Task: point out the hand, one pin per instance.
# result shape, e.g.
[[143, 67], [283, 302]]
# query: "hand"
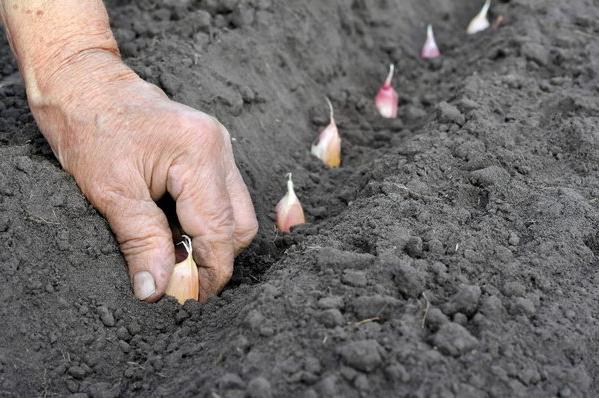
[[127, 144]]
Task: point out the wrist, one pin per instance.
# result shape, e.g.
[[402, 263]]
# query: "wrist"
[[73, 95], [45, 73], [48, 36]]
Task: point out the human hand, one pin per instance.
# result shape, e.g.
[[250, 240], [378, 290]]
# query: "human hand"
[[127, 144]]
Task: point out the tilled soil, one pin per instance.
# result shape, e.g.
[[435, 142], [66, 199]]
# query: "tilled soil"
[[454, 253]]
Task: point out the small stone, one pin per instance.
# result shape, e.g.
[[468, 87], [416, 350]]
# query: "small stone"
[[24, 164], [414, 113], [266, 331], [408, 279], [259, 387], [329, 257], [565, 392], [467, 104], [72, 386], [4, 223], [242, 16], [106, 316], [377, 306], [362, 355], [134, 328], [491, 307], [514, 240], [396, 372], [450, 114], [414, 247], [77, 372], [490, 176], [348, 373], [104, 390], [181, 315], [503, 253], [536, 52], [361, 382], [435, 246], [453, 339], [263, 4], [464, 301], [523, 306], [354, 278], [312, 364], [248, 96], [230, 381], [511, 289], [460, 318], [124, 346], [255, 319], [328, 386], [330, 302], [435, 318], [309, 393], [123, 333], [200, 20], [331, 318]]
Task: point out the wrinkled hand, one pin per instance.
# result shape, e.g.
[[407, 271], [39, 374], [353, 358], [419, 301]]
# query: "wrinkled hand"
[[127, 144]]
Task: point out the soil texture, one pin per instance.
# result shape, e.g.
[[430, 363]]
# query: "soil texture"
[[454, 254]]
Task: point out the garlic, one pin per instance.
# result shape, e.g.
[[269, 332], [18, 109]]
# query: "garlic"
[[480, 22], [289, 209], [386, 100], [498, 22], [430, 49], [328, 145], [184, 283]]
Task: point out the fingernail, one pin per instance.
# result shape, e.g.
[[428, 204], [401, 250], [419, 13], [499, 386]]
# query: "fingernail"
[[143, 285]]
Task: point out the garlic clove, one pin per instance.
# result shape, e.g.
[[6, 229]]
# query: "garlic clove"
[[184, 283], [328, 145], [430, 49], [289, 209], [387, 99], [499, 20], [480, 22]]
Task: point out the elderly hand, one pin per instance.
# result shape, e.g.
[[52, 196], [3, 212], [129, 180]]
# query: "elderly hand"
[[127, 144]]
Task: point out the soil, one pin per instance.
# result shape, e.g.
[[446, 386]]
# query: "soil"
[[454, 254]]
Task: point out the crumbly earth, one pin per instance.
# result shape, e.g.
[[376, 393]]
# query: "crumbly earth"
[[454, 254]]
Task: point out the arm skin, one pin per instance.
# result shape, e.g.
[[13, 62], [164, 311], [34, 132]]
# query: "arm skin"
[[127, 144]]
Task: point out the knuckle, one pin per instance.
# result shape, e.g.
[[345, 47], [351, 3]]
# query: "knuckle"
[[142, 242], [206, 129], [220, 223]]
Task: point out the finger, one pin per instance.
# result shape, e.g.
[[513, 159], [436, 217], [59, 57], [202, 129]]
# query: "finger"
[[142, 231], [246, 224], [204, 211]]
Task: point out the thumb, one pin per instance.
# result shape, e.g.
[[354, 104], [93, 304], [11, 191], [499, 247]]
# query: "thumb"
[[145, 239]]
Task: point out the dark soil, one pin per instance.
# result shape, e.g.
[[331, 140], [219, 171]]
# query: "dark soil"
[[454, 254]]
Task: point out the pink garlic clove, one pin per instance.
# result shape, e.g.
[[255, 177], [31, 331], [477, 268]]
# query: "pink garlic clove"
[[430, 49], [328, 145], [289, 209], [387, 99]]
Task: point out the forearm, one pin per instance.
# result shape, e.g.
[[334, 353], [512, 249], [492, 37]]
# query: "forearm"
[[67, 56], [47, 35]]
